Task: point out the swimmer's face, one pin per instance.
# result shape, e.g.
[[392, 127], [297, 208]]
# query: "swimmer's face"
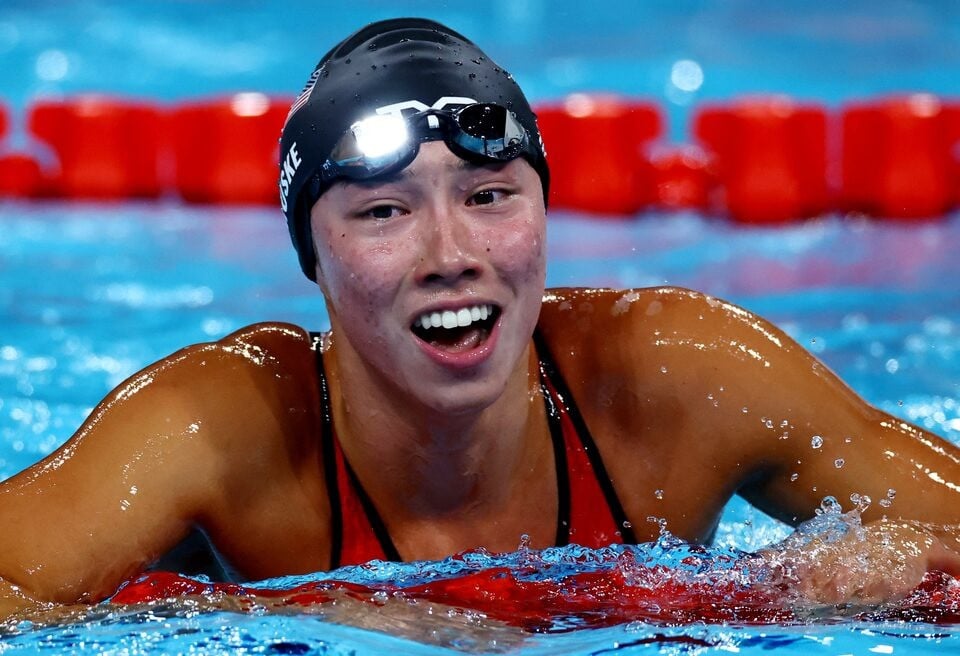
[[444, 240]]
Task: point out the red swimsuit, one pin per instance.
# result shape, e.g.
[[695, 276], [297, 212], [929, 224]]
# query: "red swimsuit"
[[589, 512]]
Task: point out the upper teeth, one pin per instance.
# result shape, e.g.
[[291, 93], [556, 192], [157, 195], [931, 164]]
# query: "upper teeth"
[[450, 319]]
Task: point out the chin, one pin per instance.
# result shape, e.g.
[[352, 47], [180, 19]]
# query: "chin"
[[463, 399]]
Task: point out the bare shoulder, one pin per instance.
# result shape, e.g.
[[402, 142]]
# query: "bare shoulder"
[[238, 382], [266, 343], [265, 367], [627, 306], [664, 351], [271, 347], [608, 324], [270, 334], [253, 352]]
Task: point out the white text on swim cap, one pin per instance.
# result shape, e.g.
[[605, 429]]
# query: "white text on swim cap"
[[416, 105], [291, 162]]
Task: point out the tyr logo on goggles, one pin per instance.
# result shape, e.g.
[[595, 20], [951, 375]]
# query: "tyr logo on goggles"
[[481, 132]]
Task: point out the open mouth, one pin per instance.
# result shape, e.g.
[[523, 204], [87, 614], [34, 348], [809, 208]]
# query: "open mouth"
[[457, 330]]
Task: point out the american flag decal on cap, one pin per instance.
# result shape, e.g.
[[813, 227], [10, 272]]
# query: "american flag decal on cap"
[[304, 95]]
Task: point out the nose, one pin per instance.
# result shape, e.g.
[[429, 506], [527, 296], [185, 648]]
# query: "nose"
[[448, 250]]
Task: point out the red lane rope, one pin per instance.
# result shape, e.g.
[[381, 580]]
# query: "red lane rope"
[[765, 159]]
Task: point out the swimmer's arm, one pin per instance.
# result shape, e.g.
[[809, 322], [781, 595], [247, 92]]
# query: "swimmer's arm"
[[749, 410], [796, 434], [815, 438], [123, 490], [790, 433], [746, 405], [178, 445], [758, 407]]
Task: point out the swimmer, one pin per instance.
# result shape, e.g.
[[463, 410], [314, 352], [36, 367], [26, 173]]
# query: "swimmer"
[[455, 403]]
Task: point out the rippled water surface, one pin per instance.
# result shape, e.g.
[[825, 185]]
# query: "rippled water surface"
[[93, 292]]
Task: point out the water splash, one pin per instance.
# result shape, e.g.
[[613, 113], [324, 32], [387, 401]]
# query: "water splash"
[[478, 601], [667, 583]]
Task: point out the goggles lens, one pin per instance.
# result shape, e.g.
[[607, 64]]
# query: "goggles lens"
[[373, 144], [385, 143]]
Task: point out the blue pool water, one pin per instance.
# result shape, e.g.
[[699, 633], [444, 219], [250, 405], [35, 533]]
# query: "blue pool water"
[[92, 292]]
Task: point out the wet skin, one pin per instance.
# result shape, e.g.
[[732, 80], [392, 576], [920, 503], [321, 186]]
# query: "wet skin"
[[690, 400]]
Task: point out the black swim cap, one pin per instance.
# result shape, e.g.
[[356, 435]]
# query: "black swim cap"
[[392, 65]]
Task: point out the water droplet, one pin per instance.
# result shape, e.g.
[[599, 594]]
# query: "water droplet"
[[659, 521], [847, 440], [816, 441], [891, 493], [627, 524], [838, 463], [830, 505], [347, 60], [885, 503], [663, 370], [861, 501], [744, 410], [794, 476], [658, 493], [472, 76]]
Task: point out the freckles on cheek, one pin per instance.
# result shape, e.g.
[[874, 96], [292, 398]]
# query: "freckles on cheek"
[[520, 249], [358, 278]]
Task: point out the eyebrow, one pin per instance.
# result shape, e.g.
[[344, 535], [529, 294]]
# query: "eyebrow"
[[407, 173], [390, 178]]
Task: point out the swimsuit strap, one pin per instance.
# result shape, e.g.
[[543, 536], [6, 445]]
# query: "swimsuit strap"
[[358, 534], [596, 516]]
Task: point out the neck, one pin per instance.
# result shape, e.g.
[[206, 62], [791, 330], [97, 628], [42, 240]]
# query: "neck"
[[418, 462]]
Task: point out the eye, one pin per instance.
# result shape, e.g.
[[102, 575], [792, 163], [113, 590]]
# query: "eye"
[[488, 197], [381, 212]]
